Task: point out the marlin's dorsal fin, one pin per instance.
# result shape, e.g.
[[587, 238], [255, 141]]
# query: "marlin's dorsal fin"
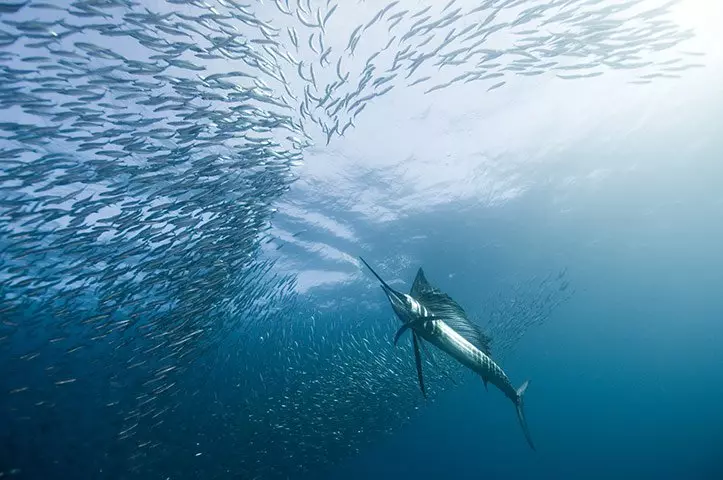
[[418, 361], [421, 285], [443, 306]]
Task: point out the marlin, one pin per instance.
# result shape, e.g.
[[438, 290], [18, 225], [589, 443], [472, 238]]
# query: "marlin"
[[434, 316]]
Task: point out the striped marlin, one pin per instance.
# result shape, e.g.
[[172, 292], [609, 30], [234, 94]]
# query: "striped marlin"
[[433, 316]]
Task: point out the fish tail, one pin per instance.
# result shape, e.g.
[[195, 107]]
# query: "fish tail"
[[521, 413]]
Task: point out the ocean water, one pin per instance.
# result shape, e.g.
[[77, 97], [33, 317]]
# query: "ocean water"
[[186, 188]]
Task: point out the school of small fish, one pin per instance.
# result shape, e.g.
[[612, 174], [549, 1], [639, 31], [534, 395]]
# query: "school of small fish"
[[331, 383], [142, 147]]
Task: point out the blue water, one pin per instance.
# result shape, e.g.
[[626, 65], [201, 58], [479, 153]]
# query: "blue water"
[[625, 379], [578, 221]]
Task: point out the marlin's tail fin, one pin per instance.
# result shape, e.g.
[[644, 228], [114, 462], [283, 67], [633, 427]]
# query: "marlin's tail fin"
[[521, 413]]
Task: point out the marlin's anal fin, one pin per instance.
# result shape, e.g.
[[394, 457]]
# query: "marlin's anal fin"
[[418, 360], [434, 363]]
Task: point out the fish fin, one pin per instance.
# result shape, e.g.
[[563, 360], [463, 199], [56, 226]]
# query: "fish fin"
[[442, 305], [421, 285], [428, 355], [416, 322], [484, 379], [434, 363], [401, 330], [418, 361], [521, 414]]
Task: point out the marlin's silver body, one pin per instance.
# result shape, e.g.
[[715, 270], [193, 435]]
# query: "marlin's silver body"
[[434, 317], [445, 338]]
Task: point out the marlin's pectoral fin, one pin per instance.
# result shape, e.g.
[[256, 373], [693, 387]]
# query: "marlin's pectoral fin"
[[418, 360], [484, 379], [414, 323], [401, 330]]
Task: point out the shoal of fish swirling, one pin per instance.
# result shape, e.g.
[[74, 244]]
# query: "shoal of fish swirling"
[[143, 145], [331, 383]]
